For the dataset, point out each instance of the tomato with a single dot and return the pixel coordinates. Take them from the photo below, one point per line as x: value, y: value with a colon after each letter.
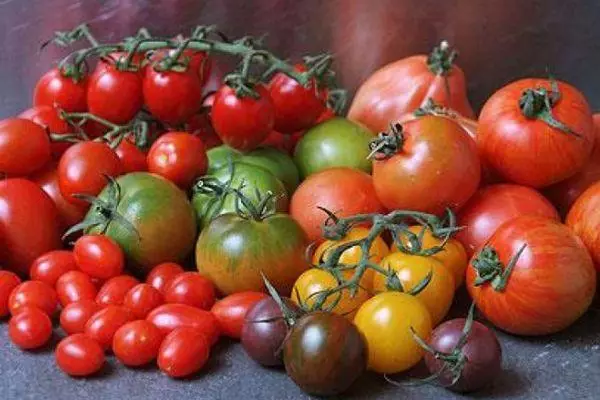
x: 99, y: 256
x: 56, y: 90
x: 385, y: 321
x: 518, y: 144
x: 33, y: 294
x: 200, y: 126
x: 584, y: 220
x: 220, y: 157
x: 344, y: 191
x: 30, y: 328
x: 141, y: 299
x: 160, y: 276
x: 137, y: 343
x: 74, y: 316
x: 51, y: 266
x: 114, y: 290
x: 111, y: 60
x: 552, y: 282
x: 405, y: 85
x: 49, y: 119
x: 169, y: 317
x: 337, y: 142
x: 178, y: 157
x: 157, y: 209
x: 183, y: 352
x: 242, y: 122
x: 493, y: 205
x: 132, y: 157
x: 24, y: 147
x: 277, y: 163
x: 75, y: 286
x: 192, y: 289
x: 8, y: 281
x: 115, y: 95
x: 103, y: 325
x: 79, y: 355
x: 231, y: 311
x: 197, y: 62
x: 83, y: 169
x: 435, y: 163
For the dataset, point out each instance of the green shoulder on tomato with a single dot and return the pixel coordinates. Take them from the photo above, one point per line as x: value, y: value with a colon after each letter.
x: 221, y: 156
x: 276, y: 162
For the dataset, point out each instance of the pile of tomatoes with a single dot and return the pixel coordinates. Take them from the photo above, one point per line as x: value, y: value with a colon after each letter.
x: 360, y: 229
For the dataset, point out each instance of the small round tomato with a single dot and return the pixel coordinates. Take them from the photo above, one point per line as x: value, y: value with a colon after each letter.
x: 56, y: 90
x: 385, y: 321
x: 79, y: 355
x: 99, y: 256
x: 113, y: 291
x: 584, y: 220
x: 75, y: 286
x: 30, y: 329
x: 142, y: 299
x: 24, y: 146
x: 132, y: 157
x: 114, y: 95
x: 183, y: 352
x: 51, y: 266
x: 192, y: 289
x: 197, y: 62
x: 160, y: 276
x: 200, y: 126
x: 50, y: 119
x: 172, y: 316
x: 103, y: 325
x: 33, y: 294
x: 137, y: 343
x: 74, y: 316
x: 231, y: 311
x: 8, y: 282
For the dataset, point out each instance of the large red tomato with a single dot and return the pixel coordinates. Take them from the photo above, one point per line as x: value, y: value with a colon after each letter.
x: 405, y: 85
x: 584, y: 219
x: 551, y: 284
x: 24, y: 147
x: 518, y: 138
x: 494, y: 205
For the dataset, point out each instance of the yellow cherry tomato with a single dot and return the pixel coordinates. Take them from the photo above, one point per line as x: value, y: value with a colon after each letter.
x: 411, y: 270
x: 385, y: 321
x: 314, y: 281
x: 453, y: 256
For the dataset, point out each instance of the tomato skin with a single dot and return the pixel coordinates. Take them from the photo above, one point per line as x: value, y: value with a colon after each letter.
x: 160, y: 276
x: 137, y: 343
x: 8, y: 281
x: 79, y: 355
x: 198, y: 62
x: 49, y: 119
x: 493, y: 205
x: 33, y: 294
x: 276, y: 162
x: 200, y: 126
x: 55, y: 90
x: 24, y: 146
x: 51, y: 266
x: 74, y: 316
x: 169, y: 317
x: 30, y: 329
x: 192, y: 289
x: 551, y: 285
x: 220, y: 157
x: 75, y: 286
x: 143, y: 298
x: 114, y: 290
x: 99, y: 256
x: 231, y: 311
x: 183, y: 352
x: 103, y: 325
x: 242, y: 123
x: 114, y: 95
x: 519, y: 148
x: 584, y: 220
x: 132, y: 157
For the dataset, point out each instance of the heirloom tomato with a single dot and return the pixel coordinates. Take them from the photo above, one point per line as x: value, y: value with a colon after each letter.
x: 277, y: 163
x: 584, y: 220
x: 221, y: 156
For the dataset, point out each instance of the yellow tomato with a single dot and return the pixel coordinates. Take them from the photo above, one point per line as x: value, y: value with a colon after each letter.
x: 385, y: 321
x: 411, y: 270
x: 453, y: 256
x: 314, y: 281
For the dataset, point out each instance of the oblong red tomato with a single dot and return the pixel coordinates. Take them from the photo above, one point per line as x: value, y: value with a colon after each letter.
x: 584, y: 219
x: 49, y: 267
x: 172, y: 316
x: 231, y: 311
x: 24, y: 147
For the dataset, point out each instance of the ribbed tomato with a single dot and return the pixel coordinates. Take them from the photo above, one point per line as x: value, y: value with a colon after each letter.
x: 584, y: 219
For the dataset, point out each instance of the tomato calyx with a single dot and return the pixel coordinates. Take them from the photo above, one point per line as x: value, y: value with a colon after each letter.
x: 288, y: 314
x: 491, y: 270
x: 386, y: 144
x: 441, y: 59
x: 259, y: 211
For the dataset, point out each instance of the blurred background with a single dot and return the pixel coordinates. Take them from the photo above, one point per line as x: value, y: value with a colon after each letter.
x: 498, y: 40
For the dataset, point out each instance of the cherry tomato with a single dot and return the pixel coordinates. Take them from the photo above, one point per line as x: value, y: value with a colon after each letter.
x: 192, y: 289
x: 584, y: 220
x: 231, y: 311
x: 79, y: 355
x: 33, y: 294
x: 75, y: 286
x: 74, y: 316
x: 114, y: 290
x: 8, y: 281
x: 103, y: 325
x: 197, y: 62
x: 142, y: 299
x: 178, y: 157
x: 24, y: 147
x: 200, y: 125
x: 132, y: 157
x: 51, y: 266
x: 49, y: 119
x: 137, y: 343
x: 56, y: 90
x: 242, y: 123
x: 183, y: 352
x: 30, y: 329
x: 99, y: 256
x: 160, y: 276
x: 172, y: 316
x: 114, y: 95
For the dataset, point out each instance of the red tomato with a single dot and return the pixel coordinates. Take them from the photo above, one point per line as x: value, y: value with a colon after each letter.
x: 551, y: 284
x: 526, y: 150
x: 160, y: 276
x: 79, y: 355
x: 584, y: 220
x: 113, y: 291
x: 103, y: 325
x: 51, y: 266
x: 231, y: 311
x: 142, y: 299
x: 99, y: 256
x: 192, y: 289
x: 30, y: 329
x: 199, y: 125
x: 492, y: 206
x: 138, y: 61
x: 242, y: 123
x: 172, y: 316
x: 136, y: 343
x: 54, y: 89
x: 344, y: 191
x: 75, y: 315
x: 33, y: 294
x: 197, y: 62
x: 8, y: 281
x: 183, y: 352
x: 24, y: 147
x: 115, y: 95
x: 327, y: 114
x: 277, y: 140
x: 75, y: 286
x: 49, y: 119
x: 132, y: 157
x: 29, y: 224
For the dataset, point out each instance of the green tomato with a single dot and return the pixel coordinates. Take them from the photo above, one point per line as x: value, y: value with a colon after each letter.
x: 220, y: 156
x: 276, y: 162
x: 337, y: 142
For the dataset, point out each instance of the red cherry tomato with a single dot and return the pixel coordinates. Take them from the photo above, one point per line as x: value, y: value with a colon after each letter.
x: 114, y: 95
x: 24, y: 147
x: 55, y: 89
x: 75, y: 286
x: 113, y: 291
x: 142, y: 299
x: 197, y: 62
x: 231, y: 311
x: 192, y: 289
x: 33, y: 294
x: 199, y: 125
x: 75, y: 315
x: 49, y: 119
x: 51, y: 266
x: 99, y: 256
x: 103, y: 325
x: 132, y: 157
x: 79, y: 355
x: 172, y: 316
x: 30, y: 329
x: 160, y: 276
x: 178, y: 157
x: 8, y: 282
x: 136, y: 343
x: 242, y: 123
x: 183, y: 352
x: 138, y: 61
